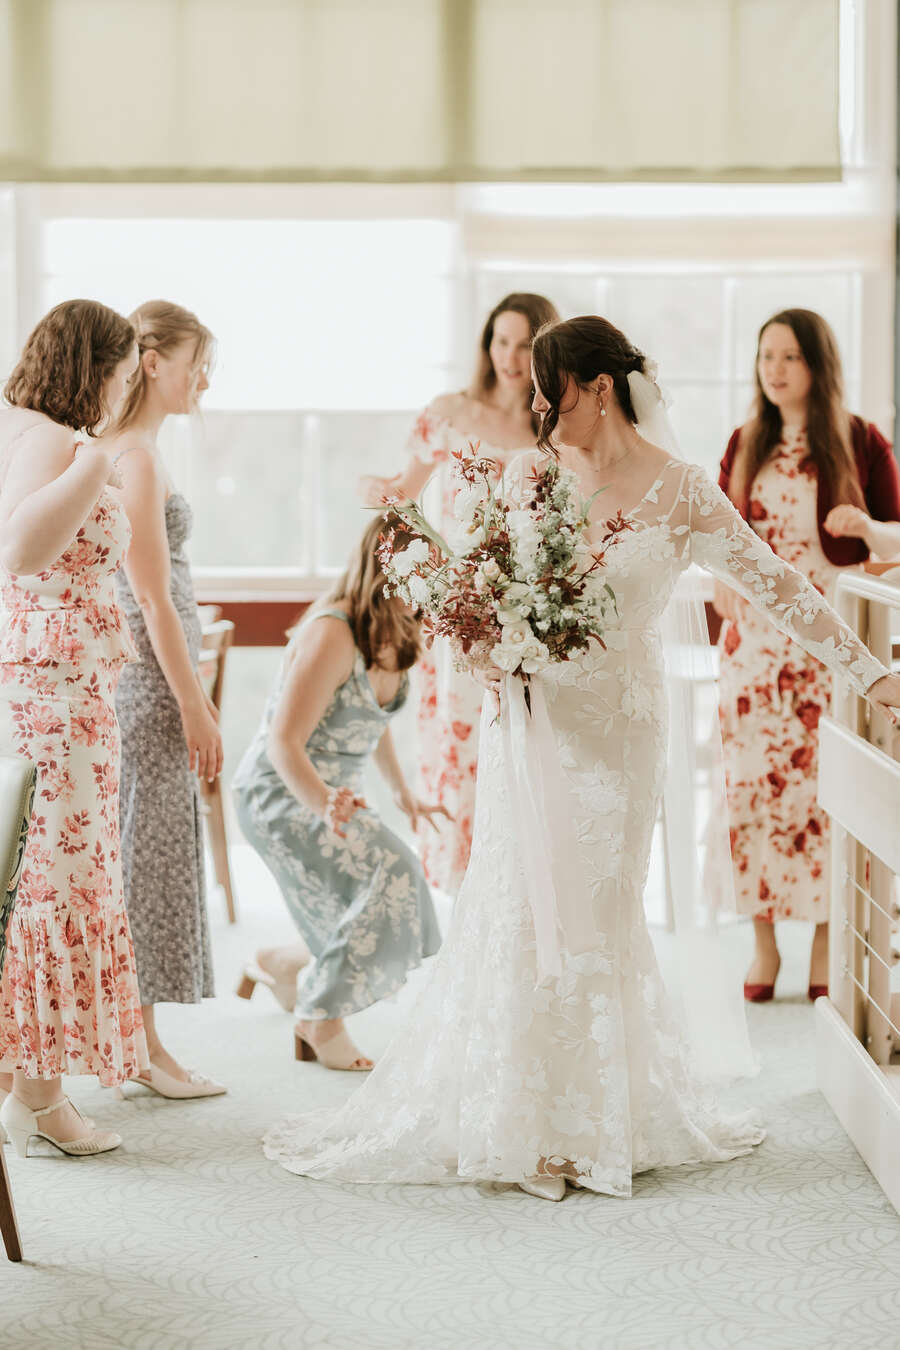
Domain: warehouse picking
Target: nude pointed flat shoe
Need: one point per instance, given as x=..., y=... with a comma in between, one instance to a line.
x=285, y=991
x=22, y=1125
x=545, y=1188
x=167, y=1085
x=338, y=1052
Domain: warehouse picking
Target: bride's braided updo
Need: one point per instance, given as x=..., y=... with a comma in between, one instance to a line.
x=583, y=348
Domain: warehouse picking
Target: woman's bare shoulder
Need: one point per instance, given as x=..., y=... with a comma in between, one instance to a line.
x=38, y=442
x=450, y=406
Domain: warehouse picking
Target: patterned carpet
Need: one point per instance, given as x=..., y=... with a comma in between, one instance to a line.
x=187, y=1237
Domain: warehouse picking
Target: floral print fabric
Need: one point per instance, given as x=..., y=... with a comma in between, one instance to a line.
x=162, y=842
x=361, y=902
x=69, y=1000
x=772, y=695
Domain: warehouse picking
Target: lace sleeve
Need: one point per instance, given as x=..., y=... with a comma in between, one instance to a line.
x=723, y=543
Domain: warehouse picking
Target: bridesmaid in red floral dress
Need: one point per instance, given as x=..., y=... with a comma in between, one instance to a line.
x=496, y=412
x=806, y=475
x=69, y=1001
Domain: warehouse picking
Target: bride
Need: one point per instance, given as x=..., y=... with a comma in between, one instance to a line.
x=583, y=1076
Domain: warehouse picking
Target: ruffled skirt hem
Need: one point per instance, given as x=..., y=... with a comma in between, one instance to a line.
x=69, y=1001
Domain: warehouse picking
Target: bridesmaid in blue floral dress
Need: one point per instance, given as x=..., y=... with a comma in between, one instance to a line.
x=356, y=892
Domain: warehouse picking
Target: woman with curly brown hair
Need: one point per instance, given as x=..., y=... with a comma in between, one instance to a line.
x=807, y=476
x=69, y=1000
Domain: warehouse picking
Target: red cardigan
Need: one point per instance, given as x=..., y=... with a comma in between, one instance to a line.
x=879, y=479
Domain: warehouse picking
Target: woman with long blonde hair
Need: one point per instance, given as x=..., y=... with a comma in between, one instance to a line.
x=808, y=476
x=355, y=891
x=170, y=735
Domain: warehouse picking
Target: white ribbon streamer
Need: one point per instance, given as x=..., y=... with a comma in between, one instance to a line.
x=543, y=814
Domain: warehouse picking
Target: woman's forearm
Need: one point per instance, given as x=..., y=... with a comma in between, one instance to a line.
x=883, y=538
x=170, y=649
x=43, y=526
x=297, y=771
x=388, y=764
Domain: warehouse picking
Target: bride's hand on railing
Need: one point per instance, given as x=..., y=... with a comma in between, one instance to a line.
x=884, y=695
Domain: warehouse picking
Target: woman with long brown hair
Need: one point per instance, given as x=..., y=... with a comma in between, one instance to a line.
x=69, y=995
x=803, y=472
x=495, y=410
x=169, y=728
x=355, y=891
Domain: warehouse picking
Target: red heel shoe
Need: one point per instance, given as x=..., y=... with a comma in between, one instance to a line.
x=759, y=993
x=817, y=991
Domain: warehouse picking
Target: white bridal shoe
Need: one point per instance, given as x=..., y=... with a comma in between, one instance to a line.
x=544, y=1187
x=166, y=1085
x=22, y=1125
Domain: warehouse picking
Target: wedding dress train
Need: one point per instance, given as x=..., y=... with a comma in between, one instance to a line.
x=494, y=1075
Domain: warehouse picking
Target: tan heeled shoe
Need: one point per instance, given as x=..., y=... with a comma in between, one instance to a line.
x=284, y=990
x=21, y=1124
x=544, y=1187
x=338, y=1052
x=175, y=1089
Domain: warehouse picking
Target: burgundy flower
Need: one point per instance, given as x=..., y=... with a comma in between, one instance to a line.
x=732, y=639
x=809, y=714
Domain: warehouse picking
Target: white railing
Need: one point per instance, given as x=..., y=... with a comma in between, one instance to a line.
x=858, y=1025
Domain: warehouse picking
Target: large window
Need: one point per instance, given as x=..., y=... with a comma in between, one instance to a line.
x=332, y=333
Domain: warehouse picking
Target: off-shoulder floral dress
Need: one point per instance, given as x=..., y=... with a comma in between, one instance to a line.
x=69, y=1001
x=448, y=707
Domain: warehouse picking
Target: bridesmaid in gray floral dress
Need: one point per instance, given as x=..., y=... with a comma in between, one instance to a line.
x=169, y=728
x=162, y=841
x=356, y=892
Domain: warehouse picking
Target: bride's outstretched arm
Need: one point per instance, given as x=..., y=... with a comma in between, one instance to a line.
x=723, y=543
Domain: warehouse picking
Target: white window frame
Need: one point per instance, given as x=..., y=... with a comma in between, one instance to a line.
x=726, y=230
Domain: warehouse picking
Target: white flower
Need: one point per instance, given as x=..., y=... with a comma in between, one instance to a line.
x=515, y=634
x=525, y=535
x=490, y=569
x=536, y=658
x=520, y=649
x=410, y=557
x=417, y=588
x=469, y=498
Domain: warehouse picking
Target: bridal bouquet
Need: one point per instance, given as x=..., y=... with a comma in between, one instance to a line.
x=510, y=586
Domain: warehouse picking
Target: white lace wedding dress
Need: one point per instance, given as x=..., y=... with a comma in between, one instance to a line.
x=491, y=1075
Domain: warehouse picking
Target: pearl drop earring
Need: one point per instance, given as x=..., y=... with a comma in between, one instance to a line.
x=602, y=410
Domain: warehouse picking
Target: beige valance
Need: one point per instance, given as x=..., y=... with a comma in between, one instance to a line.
x=418, y=90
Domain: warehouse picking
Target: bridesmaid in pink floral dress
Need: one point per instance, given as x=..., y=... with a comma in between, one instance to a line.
x=794, y=471
x=496, y=412
x=69, y=1001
